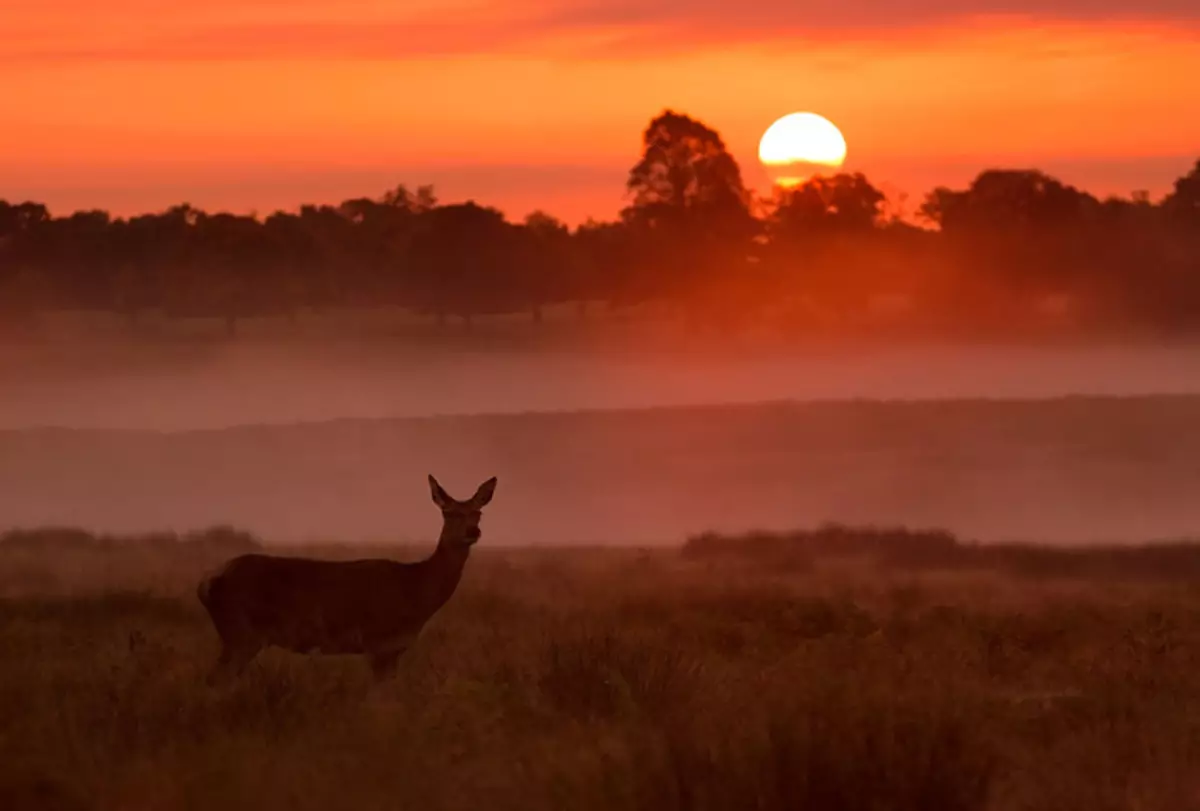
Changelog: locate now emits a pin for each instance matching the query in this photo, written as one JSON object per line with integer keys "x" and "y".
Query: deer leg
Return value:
{"x": 383, "y": 661}
{"x": 383, "y": 664}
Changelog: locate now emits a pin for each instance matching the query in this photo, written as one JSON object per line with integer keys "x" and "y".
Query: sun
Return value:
{"x": 800, "y": 145}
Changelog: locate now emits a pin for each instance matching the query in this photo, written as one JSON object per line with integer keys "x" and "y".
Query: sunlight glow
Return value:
{"x": 800, "y": 144}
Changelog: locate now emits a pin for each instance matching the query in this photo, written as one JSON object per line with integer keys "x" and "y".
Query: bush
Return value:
{"x": 902, "y": 548}
{"x": 897, "y": 546}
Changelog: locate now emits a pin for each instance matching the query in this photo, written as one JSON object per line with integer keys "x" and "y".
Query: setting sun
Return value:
{"x": 800, "y": 144}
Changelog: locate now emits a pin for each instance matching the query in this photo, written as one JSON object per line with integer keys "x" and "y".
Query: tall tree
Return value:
{"x": 685, "y": 167}
{"x": 690, "y": 209}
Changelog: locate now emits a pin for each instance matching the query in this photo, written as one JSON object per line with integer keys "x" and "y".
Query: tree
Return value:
{"x": 326, "y": 242}
{"x": 424, "y": 199}
{"x": 22, "y": 217}
{"x": 823, "y": 241}
{"x": 463, "y": 259}
{"x": 685, "y": 167}
{"x": 383, "y": 233}
{"x": 690, "y": 209}
{"x": 1007, "y": 199}
{"x": 1183, "y": 203}
{"x": 824, "y": 205}
{"x": 1178, "y": 288}
{"x": 23, "y": 287}
{"x": 547, "y": 262}
{"x": 228, "y": 272}
{"x": 1030, "y": 231}
{"x": 79, "y": 253}
{"x": 605, "y": 262}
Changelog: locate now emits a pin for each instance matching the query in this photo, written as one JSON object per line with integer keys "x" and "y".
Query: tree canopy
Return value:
{"x": 692, "y": 236}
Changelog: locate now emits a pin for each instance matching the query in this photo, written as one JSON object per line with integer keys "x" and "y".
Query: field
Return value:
{"x": 1070, "y": 470}
{"x": 839, "y": 669}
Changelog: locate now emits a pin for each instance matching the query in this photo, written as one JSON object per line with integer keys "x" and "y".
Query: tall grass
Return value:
{"x": 610, "y": 680}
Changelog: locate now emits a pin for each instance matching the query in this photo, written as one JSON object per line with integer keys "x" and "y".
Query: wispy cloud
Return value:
{"x": 282, "y": 41}
{"x": 64, "y": 30}
{"x": 799, "y": 16}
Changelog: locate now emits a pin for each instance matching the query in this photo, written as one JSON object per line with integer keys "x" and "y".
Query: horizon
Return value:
{"x": 332, "y": 189}
{"x": 262, "y": 107}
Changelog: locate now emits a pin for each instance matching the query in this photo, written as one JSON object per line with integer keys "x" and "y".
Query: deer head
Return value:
{"x": 460, "y": 519}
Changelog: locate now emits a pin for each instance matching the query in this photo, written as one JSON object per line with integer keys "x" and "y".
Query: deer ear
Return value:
{"x": 440, "y": 496}
{"x": 483, "y": 495}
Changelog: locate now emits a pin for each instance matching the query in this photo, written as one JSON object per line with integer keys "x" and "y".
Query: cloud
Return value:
{"x": 316, "y": 40}
{"x": 393, "y": 30}
{"x": 138, "y": 30}
{"x": 798, "y": 16}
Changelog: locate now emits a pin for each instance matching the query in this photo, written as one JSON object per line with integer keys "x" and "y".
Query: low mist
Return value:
{"x": 333, "y": 443}
{"x": 215, "y": 384}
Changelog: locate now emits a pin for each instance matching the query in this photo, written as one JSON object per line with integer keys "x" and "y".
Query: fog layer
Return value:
{"x": 1075, "y": 469}
{"x": 173, "y": 387}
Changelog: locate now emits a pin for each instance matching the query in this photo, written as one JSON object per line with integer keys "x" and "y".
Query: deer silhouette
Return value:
{"x": 373, "y": 607}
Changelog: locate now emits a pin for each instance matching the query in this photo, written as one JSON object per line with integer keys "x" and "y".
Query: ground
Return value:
{"x": 618, "y": 679}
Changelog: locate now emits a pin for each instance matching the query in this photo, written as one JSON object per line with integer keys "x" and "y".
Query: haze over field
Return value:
{"x": 334, "y": 443}
{"x": 213, "y": 385}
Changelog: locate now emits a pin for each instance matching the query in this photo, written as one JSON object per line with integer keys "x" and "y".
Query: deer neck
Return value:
{"x": 445, "y": 568}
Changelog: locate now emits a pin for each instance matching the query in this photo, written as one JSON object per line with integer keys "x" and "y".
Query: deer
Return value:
{"x": 371, "y": 607}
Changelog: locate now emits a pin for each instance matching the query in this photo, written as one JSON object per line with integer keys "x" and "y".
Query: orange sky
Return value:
{"x": 260, "y": 104}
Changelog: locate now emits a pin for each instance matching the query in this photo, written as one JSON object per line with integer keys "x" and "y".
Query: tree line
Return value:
{"x": 833, "y": 250}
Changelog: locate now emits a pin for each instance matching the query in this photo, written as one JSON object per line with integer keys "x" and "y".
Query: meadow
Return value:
{"x": 838, "y": 668}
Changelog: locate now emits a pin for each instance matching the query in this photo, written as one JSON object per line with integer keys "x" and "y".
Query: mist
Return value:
{"x": 332, "y": 442}
{"x": 217, "y": 384}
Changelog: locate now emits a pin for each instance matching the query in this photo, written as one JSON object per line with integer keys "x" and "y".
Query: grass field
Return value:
{"x": 841, "y": 669}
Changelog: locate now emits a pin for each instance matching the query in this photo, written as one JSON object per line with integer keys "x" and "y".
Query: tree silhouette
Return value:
{"x": 690, "y": 211}
{"x": 691, "y": 235}
{"x": 821, "y": 233}
{"x": 825, "y": 205}
{"x": 547, "y": 262}
{"x": 1028, "y": 231}
{"x": 1183, "y": 203}
{"x": 462, "y": 255}
{"x": 224, "y": 278}
{"x": 606, "y": 266}
{"x": 685, "y": 167}
{"x": 24, "y": 287}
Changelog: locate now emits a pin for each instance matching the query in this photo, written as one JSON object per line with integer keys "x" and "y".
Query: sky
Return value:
{"x": 256, "y": 105}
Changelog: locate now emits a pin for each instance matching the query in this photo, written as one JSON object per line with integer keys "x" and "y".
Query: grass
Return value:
{"x": 621, "y": 679}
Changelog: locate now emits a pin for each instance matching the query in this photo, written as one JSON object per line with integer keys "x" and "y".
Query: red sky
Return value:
{"x": 245, "y": 105}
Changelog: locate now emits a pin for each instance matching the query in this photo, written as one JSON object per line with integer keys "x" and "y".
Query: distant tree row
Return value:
{"x": 831, "y": 250}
